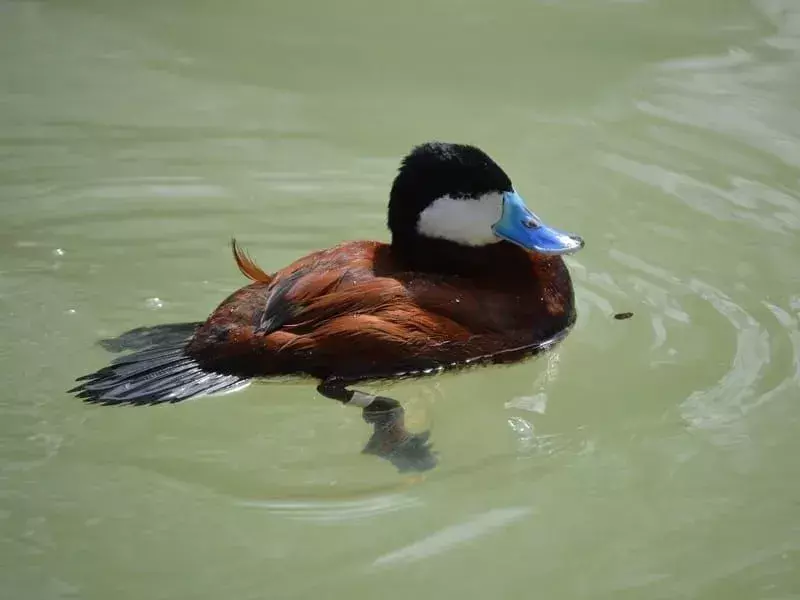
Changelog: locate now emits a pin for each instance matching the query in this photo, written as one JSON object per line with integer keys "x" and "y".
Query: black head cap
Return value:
{"x": 437, "y": 169}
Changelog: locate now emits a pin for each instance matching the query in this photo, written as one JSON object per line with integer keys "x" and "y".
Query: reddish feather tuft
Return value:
{"x": 247, "y": 266}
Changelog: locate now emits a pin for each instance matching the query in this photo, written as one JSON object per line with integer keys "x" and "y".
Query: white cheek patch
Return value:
{"x": 462, "y": 220}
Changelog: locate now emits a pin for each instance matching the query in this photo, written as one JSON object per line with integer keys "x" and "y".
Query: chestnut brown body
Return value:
{"x": 361, "y": 310}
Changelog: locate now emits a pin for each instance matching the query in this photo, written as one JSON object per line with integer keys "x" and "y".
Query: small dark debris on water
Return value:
{"x": 623, "y": 315}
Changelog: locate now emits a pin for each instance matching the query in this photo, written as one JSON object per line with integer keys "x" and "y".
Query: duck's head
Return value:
{"x": 455, "y": 193}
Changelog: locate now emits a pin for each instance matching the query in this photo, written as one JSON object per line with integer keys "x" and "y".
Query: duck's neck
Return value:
{"x": 432, "y": 255}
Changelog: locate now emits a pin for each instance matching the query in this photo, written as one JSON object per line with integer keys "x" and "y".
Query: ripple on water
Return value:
{"x": 726, "y": 400}
{"x": 730, "y": 397}
{"x": 328, "y": 511}
{"x": 454, "y": 535}
{"x": 723, "y": 142}
{"x": 756, "y": 370}
{"x": 743, "y": 200}
{"x": 790, "y": 325}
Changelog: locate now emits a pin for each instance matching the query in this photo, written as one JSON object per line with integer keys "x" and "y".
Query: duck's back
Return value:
{"x": 358, "y": 310}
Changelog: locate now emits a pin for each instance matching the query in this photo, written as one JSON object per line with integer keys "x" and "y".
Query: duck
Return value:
{"x": 470, "y": 276}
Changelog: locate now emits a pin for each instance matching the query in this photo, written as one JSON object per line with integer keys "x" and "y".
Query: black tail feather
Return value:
{"x": 159, "y": 372}
{"x": 150, "y": 336}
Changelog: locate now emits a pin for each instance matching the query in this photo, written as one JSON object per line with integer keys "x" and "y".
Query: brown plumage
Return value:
{"x": 354, "y": 312}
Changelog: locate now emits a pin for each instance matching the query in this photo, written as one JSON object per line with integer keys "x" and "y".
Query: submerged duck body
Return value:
{"x": 471, "y": 275}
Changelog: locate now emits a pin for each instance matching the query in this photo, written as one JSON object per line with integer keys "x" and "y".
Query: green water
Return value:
{"x": 648, "y": 458}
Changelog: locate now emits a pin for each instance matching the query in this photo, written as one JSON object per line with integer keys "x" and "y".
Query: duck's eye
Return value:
{"x": 530, "y": 223}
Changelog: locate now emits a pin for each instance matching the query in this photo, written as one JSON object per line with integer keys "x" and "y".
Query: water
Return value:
{"x": 647, "y": 458}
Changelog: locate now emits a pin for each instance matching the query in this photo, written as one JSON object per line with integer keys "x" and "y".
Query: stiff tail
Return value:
{"x": 247, "y": 265}
{"x": 157, "y": 374}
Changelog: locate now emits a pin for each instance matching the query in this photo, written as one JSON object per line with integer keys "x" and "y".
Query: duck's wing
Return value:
{"x": 319, "y": 316}
{"x": 350, "y": 318}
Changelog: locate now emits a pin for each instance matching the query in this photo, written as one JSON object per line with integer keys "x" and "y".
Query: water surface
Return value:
{"x": 647, "y": 458}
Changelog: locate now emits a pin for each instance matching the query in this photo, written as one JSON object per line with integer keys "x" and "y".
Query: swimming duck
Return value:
{"x": 471, "y": 275}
